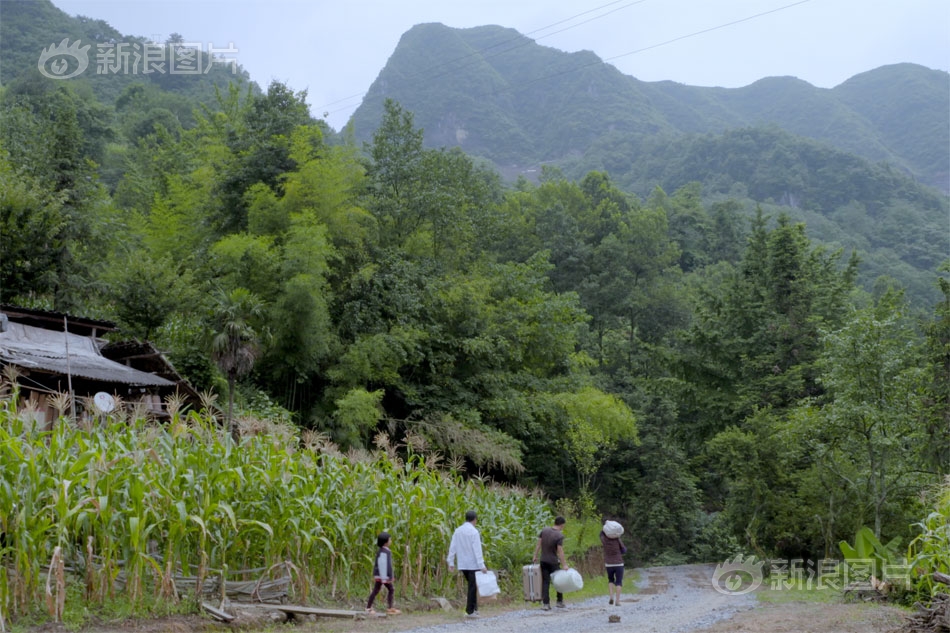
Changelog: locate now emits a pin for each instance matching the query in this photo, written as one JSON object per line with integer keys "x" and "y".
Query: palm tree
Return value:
{"x": 235, "y": 339}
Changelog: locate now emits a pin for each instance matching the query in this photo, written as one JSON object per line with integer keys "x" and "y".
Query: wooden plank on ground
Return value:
{"x": 327, "y": 613}
{"x": 217, "y": 613}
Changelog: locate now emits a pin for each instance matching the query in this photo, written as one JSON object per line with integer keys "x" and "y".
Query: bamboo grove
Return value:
{"x": 698, "y": 366}
{"x": 127, "y": 506}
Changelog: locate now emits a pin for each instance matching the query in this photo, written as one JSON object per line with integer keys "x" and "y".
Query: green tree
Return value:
{"x": 236, "y": 336}
{"x": 261, "y": 149}
{"x": 357, "y": 413}
{"x": 145, "y": 292}
{"x": 50, "y": 136}
{"x": 595, "y": 422}
{"x": 754, "y": 341}
{"x": 873, "y": 373}
{"x": 936, "y": 420}
{"x": 33, "y": 234}
{"x": 428, "y": 203}
{"x": 396, "y": 174}
{"x": 326, "y": 187}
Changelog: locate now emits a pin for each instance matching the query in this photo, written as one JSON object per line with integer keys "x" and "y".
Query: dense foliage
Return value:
{"x": 857, "y": 163}
{"x": 497, "y": 93}
{"x": 696, "y": 365}
{"x": 151, "y": 504}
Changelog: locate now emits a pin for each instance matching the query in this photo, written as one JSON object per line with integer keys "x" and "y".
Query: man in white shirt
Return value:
{"x": 466, "y": 546}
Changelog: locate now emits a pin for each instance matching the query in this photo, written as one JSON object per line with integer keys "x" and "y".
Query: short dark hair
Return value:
{"x": 470, "y": 516}
{"x": 382, "y": 539}
{"x": 560, "y": 521}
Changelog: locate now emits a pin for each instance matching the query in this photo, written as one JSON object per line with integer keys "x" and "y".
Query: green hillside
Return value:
{"x": 694, "y": 311}
{"x": 898, "y": 226}
{"x": 857, "y": 163}
{"x": 27, "y": 28}
{"x": 908, "y": 105}
{"x": 497, "y": 94}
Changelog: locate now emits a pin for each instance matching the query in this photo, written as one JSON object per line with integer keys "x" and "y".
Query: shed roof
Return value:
{"x": 53, "y": 320}
{"x": 144, "y": 356}
{"x": 45, "y": 350}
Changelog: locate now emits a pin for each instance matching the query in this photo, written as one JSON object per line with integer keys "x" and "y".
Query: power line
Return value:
{"x": 652, "y": 46}
{"x": 639, "y": 50}
{"x": 520, "y": 38}
{"x": 713, "y": 28}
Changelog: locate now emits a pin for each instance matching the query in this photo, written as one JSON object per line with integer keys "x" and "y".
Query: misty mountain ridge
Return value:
{"x": 499, "y": 95}
{"x": 866, "y": 164}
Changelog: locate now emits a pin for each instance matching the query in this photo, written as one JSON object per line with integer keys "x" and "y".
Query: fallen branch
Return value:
{"x": 932, "y": 619}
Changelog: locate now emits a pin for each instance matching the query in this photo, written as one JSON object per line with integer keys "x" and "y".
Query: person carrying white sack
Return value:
{"x": 466, "y": 546}
{"x": 613, "y": 558}
{"x": 551, "y": 547}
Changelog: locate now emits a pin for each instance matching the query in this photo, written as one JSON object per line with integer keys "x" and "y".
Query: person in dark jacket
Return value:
{"x": 551, "y": 547}
{"x": 613, "y": 561}
{"x": 383, "y": 574}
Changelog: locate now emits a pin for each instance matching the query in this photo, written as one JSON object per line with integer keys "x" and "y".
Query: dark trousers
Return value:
{"x": 471, "y": 604}
{"x": 546, "y": 570}
{"x": 389, "y": 596}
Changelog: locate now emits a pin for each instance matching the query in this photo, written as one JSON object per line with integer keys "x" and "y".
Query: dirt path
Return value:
{"x": 677, "y": 599}
{"x": 670, "y": 600}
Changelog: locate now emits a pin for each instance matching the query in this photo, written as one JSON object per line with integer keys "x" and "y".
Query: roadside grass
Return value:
{"x": 783, "y": 592}
{"x": 79, "y": 614}
{"x": 780, "y": 591}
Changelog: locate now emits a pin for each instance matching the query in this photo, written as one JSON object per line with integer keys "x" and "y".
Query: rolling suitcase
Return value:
{"x": 532, "y": 582}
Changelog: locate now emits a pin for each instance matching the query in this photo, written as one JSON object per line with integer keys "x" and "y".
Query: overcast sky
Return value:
{"x": 335, "y": 50}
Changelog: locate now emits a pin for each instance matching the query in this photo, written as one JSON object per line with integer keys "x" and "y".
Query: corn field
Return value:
{"x": 131, "y": 506}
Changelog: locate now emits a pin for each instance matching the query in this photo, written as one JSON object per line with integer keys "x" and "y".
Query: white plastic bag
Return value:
{"x": 567, "y": 580}
{"x": 612, "y": 529}
{"x": 487, "y": 584}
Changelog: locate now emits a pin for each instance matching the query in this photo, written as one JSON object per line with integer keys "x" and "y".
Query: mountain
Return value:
{"x": 30, "y": 27}
{"x": 498, "y": 94}
{"x": 866, "y": 165}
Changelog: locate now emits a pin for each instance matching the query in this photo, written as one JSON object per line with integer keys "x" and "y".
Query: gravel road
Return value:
{"x": 668, "y": 600}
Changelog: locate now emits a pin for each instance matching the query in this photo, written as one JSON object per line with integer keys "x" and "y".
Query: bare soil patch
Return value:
{"x": 799, "y": 617}
{"x": 668, "y": 599}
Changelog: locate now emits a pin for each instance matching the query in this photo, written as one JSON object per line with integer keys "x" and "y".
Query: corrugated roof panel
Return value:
{"x": 36, "y": 348}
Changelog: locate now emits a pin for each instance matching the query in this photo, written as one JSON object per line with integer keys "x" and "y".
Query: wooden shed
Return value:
{"x": 53, "y": 352}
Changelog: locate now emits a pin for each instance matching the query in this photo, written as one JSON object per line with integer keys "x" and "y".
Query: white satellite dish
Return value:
{"x": 104, "y": 402}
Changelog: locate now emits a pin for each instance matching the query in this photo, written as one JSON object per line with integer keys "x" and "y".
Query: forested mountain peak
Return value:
{"x": 28, "y": 28}
{"x": 710, "y": 305}
{"x": 496, "y": 93}
{"x": 851, "y": 161}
